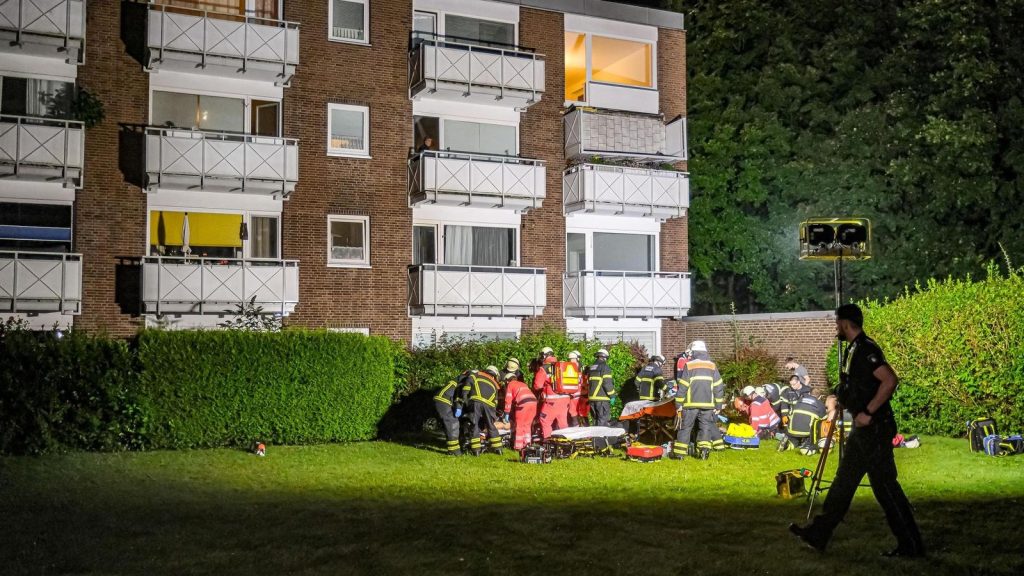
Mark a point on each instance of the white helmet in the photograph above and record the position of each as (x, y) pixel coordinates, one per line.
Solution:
(574, 355)
(546, 351)
(698, 346)
(602, 352)
(759, 390)
(748, 391)
(492, 370)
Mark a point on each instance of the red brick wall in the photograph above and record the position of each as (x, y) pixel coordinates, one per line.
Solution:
(672, 94)
(375, 76)
(110, 214)
(543, 230)
(807, 336)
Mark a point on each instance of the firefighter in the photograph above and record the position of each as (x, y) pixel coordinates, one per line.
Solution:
(791, 394)
(449, 404)
(701, 393)
(555, 406)
(512, 367)
(522, 405)
(763, 418)
(481, 400)
(573, 410)
(601, 389)
(802, 431)
(771, 392)
(649, 380)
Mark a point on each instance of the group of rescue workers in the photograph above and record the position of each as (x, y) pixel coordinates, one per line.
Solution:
(565, 394)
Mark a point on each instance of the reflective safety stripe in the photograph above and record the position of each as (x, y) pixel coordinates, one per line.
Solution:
(494, 441)
(703, 444)
(474, 442)
(441, 395)
(678, 448)
(806, 413)
(478, 395)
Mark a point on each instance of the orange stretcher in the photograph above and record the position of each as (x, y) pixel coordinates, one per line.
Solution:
(654, 421)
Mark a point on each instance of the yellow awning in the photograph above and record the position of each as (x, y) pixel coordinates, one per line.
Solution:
(205, 229)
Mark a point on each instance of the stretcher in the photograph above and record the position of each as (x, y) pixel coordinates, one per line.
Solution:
(654, 421)
(586, 441)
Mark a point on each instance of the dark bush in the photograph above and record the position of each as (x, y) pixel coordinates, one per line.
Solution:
(750, 367)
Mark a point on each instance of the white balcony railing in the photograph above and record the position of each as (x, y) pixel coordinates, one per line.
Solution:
(480, 180)
(48, 28)
(449, 290)
(451, 68)
(626, 190)
(42, 149)
(177, 285)
(608, 134)
(36, 282)
(220, 161)
(622, 294)
(210, 42)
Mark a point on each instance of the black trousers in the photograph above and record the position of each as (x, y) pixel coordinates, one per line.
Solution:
(482, 417)
(450, 424)
(600, 412)
(707, 432)
(868, 451)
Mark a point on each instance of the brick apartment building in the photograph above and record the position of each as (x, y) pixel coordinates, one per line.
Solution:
(412, 168)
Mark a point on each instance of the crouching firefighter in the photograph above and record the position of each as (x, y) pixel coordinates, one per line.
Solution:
(701, 392)
(802, 431)
(449, 403)
(481, 402)
(522, 405)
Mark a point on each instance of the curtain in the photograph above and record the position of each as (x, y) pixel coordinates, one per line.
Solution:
(491, 246)
(263, 237)
(631, 252)
(458, 245)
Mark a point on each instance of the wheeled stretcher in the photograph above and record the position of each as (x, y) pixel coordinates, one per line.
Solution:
(587, 441)
(654, 421)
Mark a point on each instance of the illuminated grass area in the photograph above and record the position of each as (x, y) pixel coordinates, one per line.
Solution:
(381, 508)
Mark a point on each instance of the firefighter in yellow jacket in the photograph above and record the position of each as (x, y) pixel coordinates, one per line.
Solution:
(701, 392)
(481, 400)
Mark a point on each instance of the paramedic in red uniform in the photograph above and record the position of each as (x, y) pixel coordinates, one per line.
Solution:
(866, 383)
(555, 407)
(522, 405)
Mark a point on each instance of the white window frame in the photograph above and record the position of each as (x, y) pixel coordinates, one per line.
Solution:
(589, 242)
(363, 331)
(246, 105)
(246, 219)
(587, 37)
(247, 244)
(349, 153)
(442, 15)
(340, 263)
(439, 252)
(366, 23)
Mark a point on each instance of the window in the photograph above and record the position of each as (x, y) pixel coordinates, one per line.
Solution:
(363, 331)
(348, 240)
(632, 252)
(593, 58)
(350, 20)
(479, 246)
(480, 138)
(645, 339)
(265, 118)
(199, 234)
(576, 251)
(199, 112)
(424, 244)
(35, 227)
(425, 127)
(263, 237)
(479, 31)
(424, 25)
(35, 97)
(349, 130)
(477, 336)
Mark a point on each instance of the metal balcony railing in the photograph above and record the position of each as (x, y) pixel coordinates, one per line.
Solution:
(453, 68)
(205, 41)
(481, 180)
(42, 149)
(450, 290)
(44, 28)
(220, 161)
(180, 285)
(626, 294)
(35, 282)
(608, 134)
(626, 190)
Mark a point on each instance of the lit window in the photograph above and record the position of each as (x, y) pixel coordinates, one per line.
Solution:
(575, 67)
(350, 20)
(348, 130)
(348, 240)
(593, 58)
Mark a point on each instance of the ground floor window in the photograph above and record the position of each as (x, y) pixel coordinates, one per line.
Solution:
(348, 240)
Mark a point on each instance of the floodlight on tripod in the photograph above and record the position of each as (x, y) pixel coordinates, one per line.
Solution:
(834, 238)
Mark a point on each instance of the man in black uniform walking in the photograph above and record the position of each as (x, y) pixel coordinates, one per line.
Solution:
(866, 384)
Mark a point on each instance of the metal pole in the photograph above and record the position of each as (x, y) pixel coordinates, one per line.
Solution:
(14, 285)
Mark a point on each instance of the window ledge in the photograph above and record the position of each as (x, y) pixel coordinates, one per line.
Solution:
(344, 41)
(347, 155)
(341, 265)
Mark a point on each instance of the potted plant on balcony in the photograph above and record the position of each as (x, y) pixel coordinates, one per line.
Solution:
(76, 104)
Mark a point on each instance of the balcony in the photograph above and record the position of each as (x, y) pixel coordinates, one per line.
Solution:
(218, 44)
(623, 135)
(461, 70)
(448, 290)
(625, 190)
(479, 180)
(178, 159)
(37, 282)
(41, 150)
(621, 294)
(46, 28)
(218, 285)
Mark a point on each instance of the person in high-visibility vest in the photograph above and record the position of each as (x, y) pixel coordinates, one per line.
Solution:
(482, 401)
(802, 431)
(555, 381)
(701, 392)
(573, 409)
(449, 404)
(601, 389)
(649, 380)
(521, 405)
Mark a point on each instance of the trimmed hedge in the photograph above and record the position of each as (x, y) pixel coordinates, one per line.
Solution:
(216, 388)
(62, 392)
(958, 348)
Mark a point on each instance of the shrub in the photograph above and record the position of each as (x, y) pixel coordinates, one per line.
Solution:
(215, 388)
(66, 391)
(751, 367)
(958, 348)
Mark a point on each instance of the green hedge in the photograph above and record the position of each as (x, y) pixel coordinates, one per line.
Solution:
(958, 348)
(66, 392)
(215, 388)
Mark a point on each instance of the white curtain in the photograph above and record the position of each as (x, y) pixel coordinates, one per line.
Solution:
(458, 245)
(490, 246)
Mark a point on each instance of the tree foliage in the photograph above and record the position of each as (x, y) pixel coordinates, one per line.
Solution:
(907, 112)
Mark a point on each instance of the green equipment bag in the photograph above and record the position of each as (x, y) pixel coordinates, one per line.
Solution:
(977, 430)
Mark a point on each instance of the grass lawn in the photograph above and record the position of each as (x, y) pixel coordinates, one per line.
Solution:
(381, 508)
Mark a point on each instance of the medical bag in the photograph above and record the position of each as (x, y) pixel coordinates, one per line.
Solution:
(977, 430)
(567, 378)
(644, 453)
